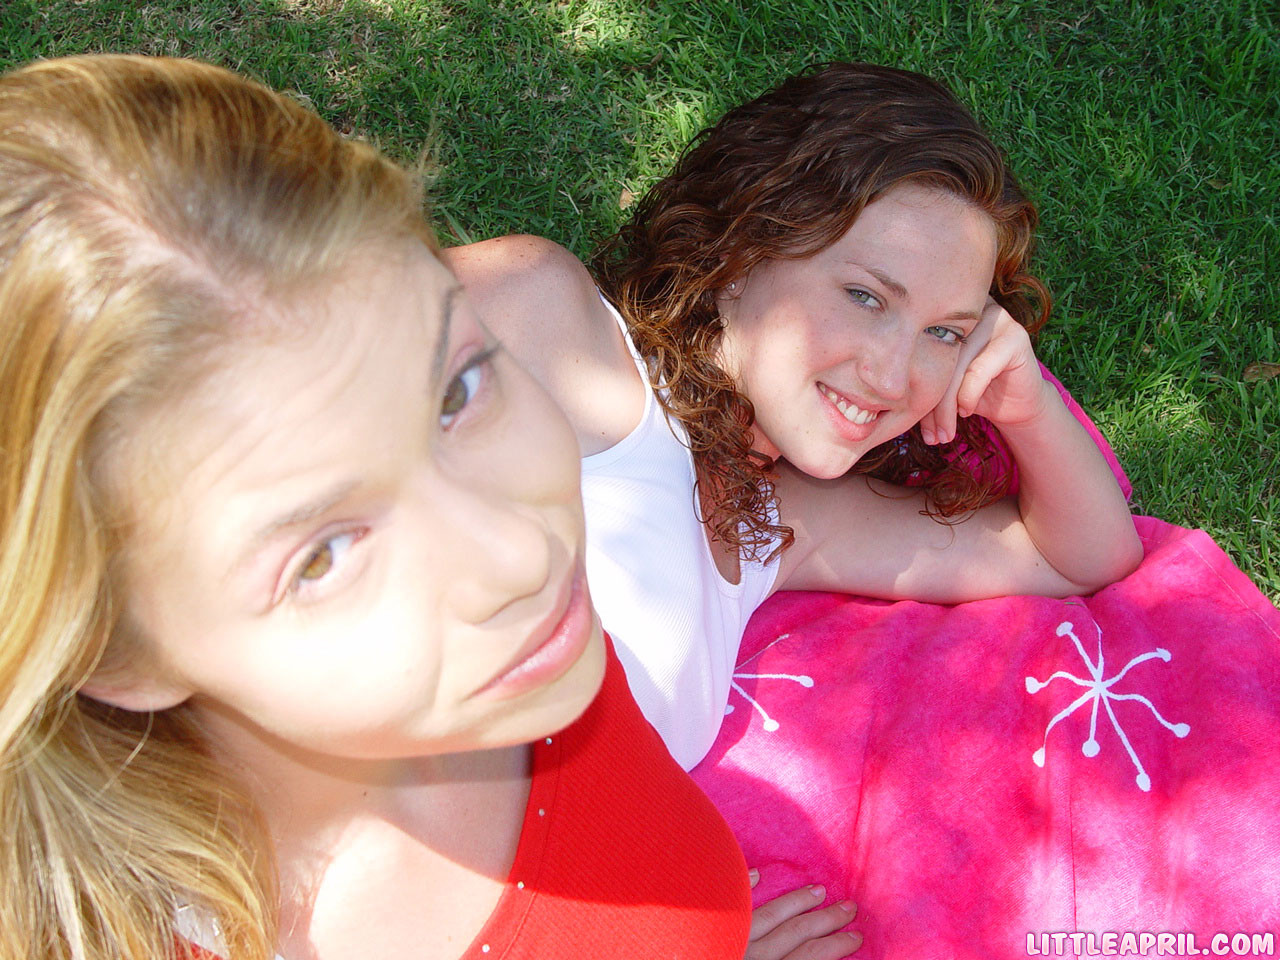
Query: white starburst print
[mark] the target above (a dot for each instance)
(770, 724)
(1099, 691)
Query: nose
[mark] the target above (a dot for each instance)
(885, 364)
(492, 551)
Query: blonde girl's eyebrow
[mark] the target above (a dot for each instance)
(441, 353)
(302, 514)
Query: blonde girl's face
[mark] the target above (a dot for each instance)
(366, 536)
(847, 349)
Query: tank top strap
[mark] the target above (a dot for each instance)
(641, 366)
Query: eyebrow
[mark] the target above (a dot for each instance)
(305, 513)
(894, 286)
(441, 352)
(900, 291)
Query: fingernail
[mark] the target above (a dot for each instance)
(753, 874)
(927, 436)
(818, 890)
(848, 906)
(857, 940)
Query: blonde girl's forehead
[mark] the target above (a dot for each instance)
(319, 340)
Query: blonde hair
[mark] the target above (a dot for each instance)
(145, 205)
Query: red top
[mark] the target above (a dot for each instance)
(621, 855)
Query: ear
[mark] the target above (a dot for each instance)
(141, 689)
(725, 297)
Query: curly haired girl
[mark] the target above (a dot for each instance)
(822, 308)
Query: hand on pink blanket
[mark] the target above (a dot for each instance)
(791, 927)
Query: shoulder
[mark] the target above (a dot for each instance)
(540, 301)
(516, 259)
(531, 292)
(613, 760)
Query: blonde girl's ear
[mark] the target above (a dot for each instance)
(141, 688)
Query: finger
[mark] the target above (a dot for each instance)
(939, 424)
(985, 367)
(833, 947)
(928, 427)
(994, 315)
(814, 924)
(812, 934)
(768, 916)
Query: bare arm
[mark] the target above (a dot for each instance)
(539, 300)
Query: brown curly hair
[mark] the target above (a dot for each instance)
(783, 177)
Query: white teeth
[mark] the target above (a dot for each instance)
(852, 412)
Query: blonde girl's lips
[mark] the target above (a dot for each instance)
(552, 648)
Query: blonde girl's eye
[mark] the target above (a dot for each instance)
(946, 334)
(321, 561)
(462, 388)
(862, 297)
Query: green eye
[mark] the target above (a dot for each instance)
(946, 334)
(863, 297)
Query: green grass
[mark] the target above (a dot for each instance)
(1147, 132)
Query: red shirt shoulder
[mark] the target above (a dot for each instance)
(621, 855)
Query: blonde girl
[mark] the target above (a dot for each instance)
(298, 657)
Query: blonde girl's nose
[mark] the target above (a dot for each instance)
(494, 551)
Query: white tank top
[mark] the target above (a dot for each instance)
(675, 621)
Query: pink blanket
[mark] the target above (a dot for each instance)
(987, 778)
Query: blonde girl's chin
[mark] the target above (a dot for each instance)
(587, 674)
(580, 684)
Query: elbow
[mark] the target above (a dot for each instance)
(1115, 562)
(1125, 557)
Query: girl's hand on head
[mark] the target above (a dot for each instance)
(1003, 382)
(997, 378)
(939, 424)
(792, 927)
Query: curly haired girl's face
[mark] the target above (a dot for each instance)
(846, 349)
(367, 533)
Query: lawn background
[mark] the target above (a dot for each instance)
(1148, 133)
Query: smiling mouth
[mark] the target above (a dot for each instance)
(851, 411)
